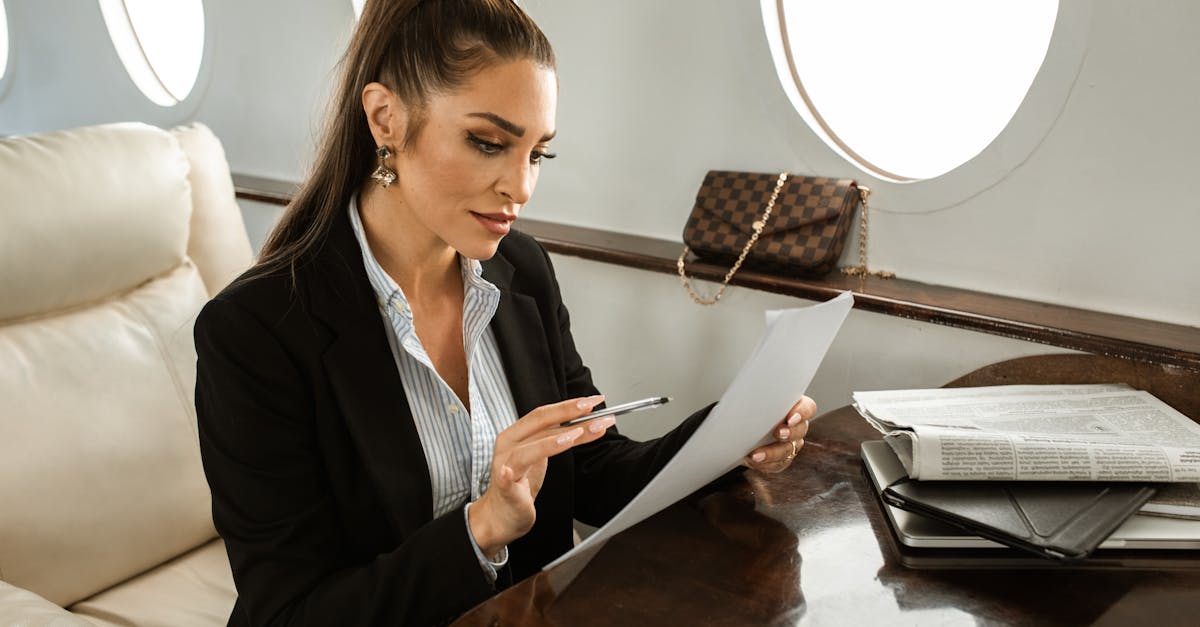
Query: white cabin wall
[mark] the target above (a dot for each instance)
(641, 336)
(653, 94)
(267, 72)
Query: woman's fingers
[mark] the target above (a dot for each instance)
(804, 409)
(786, 432)
(519, 465)
(789, 434)
(795, 424)
(536, 450)
(774, 457)
(524, 456)
(502, 477)
(550, 416)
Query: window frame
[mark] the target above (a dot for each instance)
(1032, 122)
(10, 51)
(185, 105)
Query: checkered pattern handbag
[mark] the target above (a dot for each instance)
(796, 225)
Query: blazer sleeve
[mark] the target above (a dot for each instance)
(274, 506)
(612, 470)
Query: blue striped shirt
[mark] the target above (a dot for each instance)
(457, 443)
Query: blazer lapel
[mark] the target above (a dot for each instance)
(521, 339)
(362, 372)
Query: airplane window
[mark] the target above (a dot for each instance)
(908, 90)
(160, 43)
(3, 40)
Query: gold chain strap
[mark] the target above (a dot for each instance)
(758, 227)
(861, 269)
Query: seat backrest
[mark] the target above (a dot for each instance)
(100, 474)
(217, 239)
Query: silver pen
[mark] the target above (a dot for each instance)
(617, 410)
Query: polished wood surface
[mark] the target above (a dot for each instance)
(1057, 325)
(811, 546)
(270, 191)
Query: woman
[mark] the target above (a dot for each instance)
(380, 397)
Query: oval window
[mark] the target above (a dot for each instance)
(914, 89)
(160, 43)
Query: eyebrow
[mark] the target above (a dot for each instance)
(509, 127)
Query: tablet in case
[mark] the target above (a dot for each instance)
(1061, 520)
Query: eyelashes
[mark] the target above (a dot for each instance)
(492, 149)
(483, 145)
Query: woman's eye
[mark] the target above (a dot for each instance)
(485, 146)
(537, 156)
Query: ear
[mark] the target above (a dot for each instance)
(386, 116)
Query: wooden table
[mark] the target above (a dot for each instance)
(811, 546)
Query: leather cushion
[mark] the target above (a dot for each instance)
(100, 473)
(89, 213)
(195, 589)
(22, 608)
(218, 243)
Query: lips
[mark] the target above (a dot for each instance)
(498, 223)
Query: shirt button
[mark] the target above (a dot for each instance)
(452, 409)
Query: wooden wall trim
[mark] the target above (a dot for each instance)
(1094, 332)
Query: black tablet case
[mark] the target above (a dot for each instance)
(1064, 520)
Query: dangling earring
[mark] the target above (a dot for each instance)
(383, 175)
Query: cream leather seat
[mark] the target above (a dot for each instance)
(111, 239)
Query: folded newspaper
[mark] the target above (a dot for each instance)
(1106, 432)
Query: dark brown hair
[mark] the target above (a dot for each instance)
(416, 48)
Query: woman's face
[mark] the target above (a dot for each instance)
(474, 164)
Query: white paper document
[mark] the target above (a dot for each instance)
(772, 380)
(1105, 432)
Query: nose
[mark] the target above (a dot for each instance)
(517, 182)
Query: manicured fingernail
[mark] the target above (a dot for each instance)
(759, 456)
(794, 419)
(784, 433)
(600, 425)
(570, 436)
(589, 402)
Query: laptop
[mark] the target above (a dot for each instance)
(1138, 532)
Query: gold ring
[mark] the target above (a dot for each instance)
(793, 455)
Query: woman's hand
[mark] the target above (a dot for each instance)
(789, 436)
(505, 512)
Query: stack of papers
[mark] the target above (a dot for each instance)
(1052, 469)
(1107, 432)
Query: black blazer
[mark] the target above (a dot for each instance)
(319, 484)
